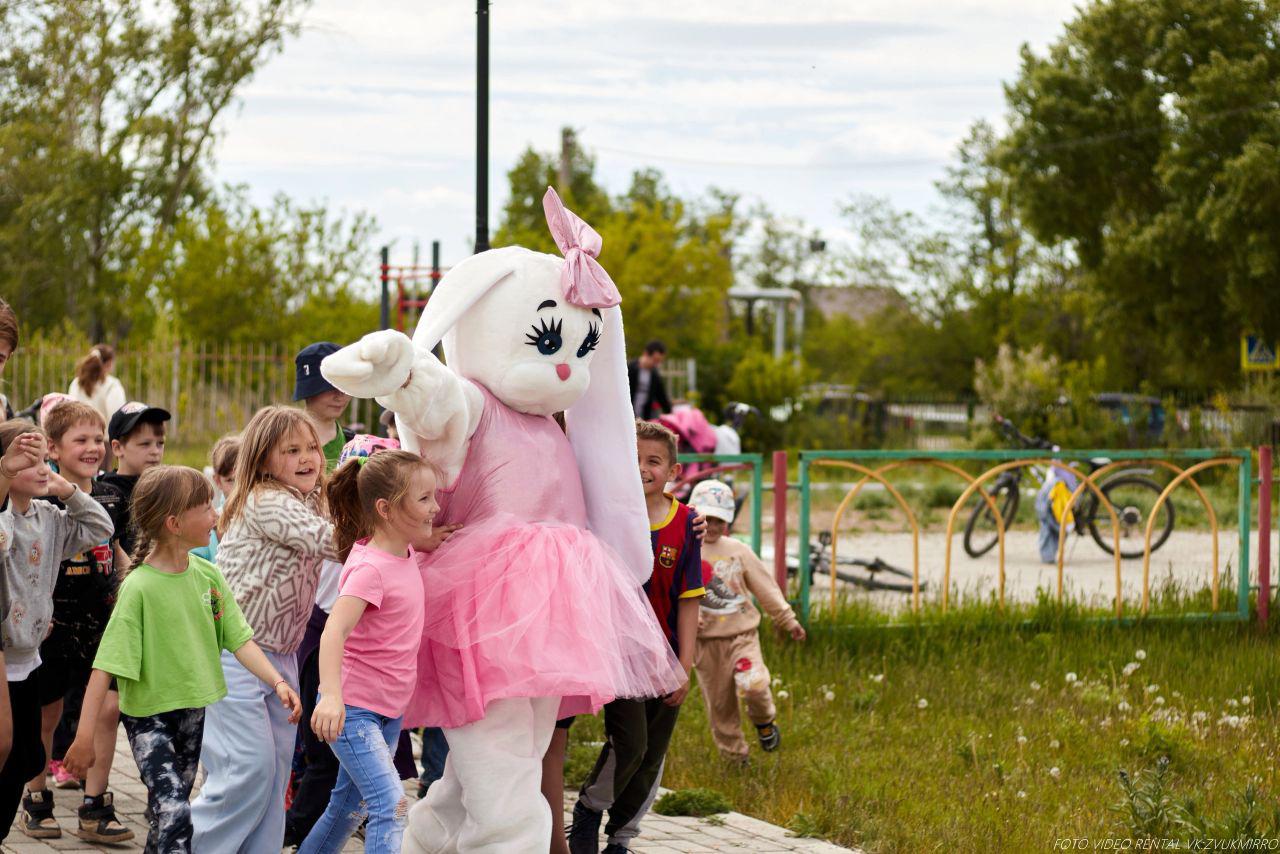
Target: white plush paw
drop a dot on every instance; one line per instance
(375, 366)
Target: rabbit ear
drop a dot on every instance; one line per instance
(602, 432)
(460, 289)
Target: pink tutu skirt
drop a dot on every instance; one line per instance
(533, 610)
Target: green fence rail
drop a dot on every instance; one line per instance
(736, 462)
(810, 459)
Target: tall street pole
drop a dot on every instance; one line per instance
(482, 125)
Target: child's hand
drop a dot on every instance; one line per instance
(23, 452)
(59, 486)
(289, 698)
(79, 758)
(676, 697)
(327, 720)
(699, 524)
(797, 632)
(438, 536)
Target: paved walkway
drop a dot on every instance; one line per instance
(661, 835)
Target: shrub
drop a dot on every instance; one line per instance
(1148, 810)
(693, 802)
(578, 763)
(801, 824)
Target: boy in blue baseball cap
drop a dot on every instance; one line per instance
(324, 403)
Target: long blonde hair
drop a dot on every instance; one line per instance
(162, 491)
(268, 427)
(354, 490)
(92, 369)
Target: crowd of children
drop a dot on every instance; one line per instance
(210, 616)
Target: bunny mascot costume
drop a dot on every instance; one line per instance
(534, 609)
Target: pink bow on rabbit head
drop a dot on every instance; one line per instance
(584, 281)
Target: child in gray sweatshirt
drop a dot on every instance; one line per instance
(42, 536)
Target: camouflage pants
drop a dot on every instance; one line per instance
(167, 749)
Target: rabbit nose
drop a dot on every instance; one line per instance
(562, 371)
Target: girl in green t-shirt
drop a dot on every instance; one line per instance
(173, 617)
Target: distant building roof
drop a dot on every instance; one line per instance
(858, 302)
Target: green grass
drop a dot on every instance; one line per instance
(874, 769)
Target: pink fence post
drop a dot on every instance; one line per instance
(780, 518)
(1264, 533)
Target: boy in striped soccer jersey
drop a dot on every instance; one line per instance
(637, 732)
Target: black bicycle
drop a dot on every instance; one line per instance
(1131, 492)
(873, 574)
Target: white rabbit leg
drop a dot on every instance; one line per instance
(489, 800)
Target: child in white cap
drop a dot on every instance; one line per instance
(729, 663)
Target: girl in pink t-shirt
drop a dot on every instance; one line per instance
(382, 506)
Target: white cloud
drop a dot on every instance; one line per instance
(372, 105)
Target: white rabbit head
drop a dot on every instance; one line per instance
(523, 340)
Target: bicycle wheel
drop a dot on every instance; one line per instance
(1133, 496)
(980, 534)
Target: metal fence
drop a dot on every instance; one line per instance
(936, 425)
(211, 389)
(873, 465)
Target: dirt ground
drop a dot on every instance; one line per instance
(1088, 577)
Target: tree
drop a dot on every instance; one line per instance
(1145, 142)
(107, 115)
(234, 272)
(669, 258)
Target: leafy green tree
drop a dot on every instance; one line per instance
(1145, 142)
(235, 272)
(108, 112)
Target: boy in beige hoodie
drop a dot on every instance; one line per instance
(729, 662)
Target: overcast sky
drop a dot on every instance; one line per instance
(801, 105)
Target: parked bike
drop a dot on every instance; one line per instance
(1131, 492)
(873, 574)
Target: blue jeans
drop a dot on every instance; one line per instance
(368, 784)
(247, 751)
(434, 752)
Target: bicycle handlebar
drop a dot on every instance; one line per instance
(1007, 427)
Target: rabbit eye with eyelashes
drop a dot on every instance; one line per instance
(591, 342)
(546, 336)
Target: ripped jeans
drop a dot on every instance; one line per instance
(368, 785)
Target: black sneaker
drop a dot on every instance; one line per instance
(37, 816)
(98, 822)
(770, 737)
(584, 834)
(615, 848)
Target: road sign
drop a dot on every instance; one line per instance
(1257, 355)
